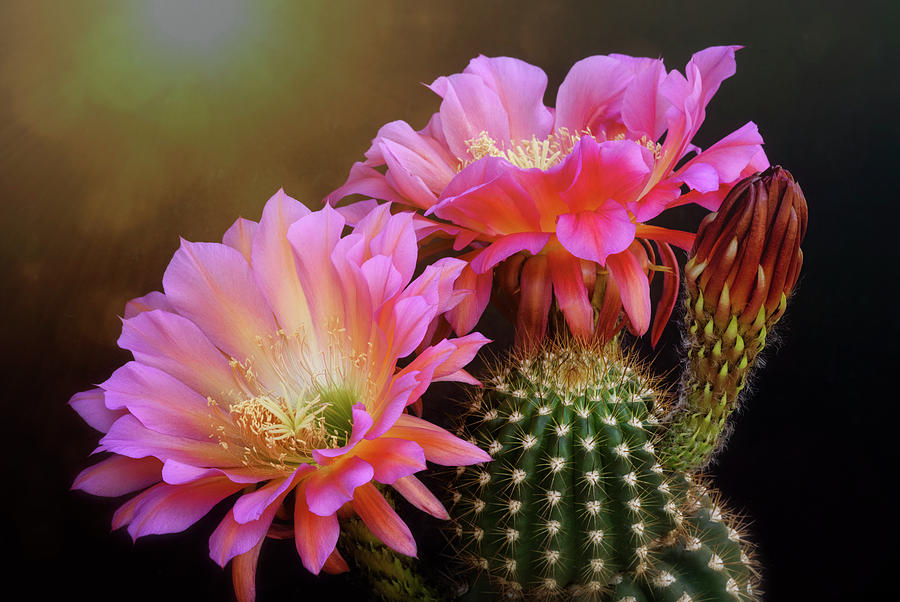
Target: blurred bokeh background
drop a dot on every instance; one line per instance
(125, 124)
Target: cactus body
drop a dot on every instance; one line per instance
(575, 502)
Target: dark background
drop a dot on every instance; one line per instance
(119, 132)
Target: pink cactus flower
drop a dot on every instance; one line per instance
(569, 189)
(269, 366)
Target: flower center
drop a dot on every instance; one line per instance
(545, 153)
(526, 154)
(289, 409)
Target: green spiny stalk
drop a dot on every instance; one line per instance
(389, 575)
(744, 265)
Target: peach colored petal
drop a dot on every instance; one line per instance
(243, 573)
(440, 446)
(315, 535)
(381, 519)
(420, 496)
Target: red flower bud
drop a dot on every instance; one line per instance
(746, 257)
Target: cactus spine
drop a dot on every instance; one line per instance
(576, 503)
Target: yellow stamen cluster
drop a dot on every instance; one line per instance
(277, 423)
(542, 154)
(654, 147)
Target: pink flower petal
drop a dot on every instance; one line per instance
(231, 538)
(613, 170)
(118, 475)
(393, 236)
(381, 519)
(534, 301)
(591, 93)
(240, 236)
(504, 204)
(365, 181)
(508, 245)
(91, 406)
(174, 508)
(330, 487)
(466, 314)
(382, 277)
(448, 356)
(439, 446)
(715, 64)
(682, 240)
(161, 402)
(571, 294)
(274, 265)
(175, 345)
(392, 458)
(402, 179)
(643, 107)
(400, 394)
(362, 422)
(212, 285)
(520, 88)
(251, 506)
(314, 238)
(315, 535)
(129, 437)
(149, 302)
(699, 176)
(633, 288)
(178, 473)
(418, 152)
(594, 235)
(436, 284)
(419, 496)
(469, 108)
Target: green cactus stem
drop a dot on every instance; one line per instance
(388, 575)
(576, 503)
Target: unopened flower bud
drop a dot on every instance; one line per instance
(746, 257)
(745, 262)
